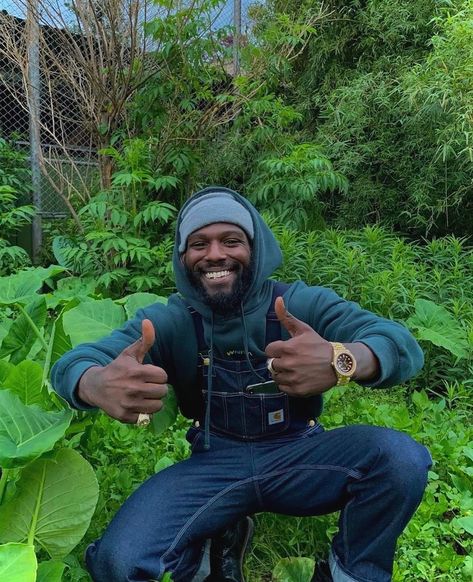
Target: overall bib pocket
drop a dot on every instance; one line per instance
(250, 416)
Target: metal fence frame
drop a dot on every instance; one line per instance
(43, 197)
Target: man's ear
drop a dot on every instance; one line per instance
(182, 257)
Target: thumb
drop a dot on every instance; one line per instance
(293, 325)
(141, 347)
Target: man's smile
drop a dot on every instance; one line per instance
(217, 274)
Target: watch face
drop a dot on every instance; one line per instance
(344, 363)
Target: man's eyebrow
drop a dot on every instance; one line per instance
(201, 235)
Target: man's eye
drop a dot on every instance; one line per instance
(197, 245)
(232, 241)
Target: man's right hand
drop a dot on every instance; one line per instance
(126, 386)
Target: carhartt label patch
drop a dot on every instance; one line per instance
(276, 416)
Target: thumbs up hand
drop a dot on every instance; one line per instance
(126, 387)
(303, 363)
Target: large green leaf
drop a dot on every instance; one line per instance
(61, 342)
(466, 523)
(50, 571)
(5, 324)
(71, 288)
(435, 324)
(92, 320)
(53, 503)
(139, 300)
(21, 336)
(163, 419)
(49, 272)
(26, 380)
(294, 570)
(61, 244)
(17, 563)
(26, 432)
(20, 288)
(5, 369)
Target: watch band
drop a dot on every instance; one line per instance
(343, 363)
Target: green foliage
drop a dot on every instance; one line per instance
(434, 540)
(124, 456)
(294, 570)
(180, 103)
(93, 320)
(124, 240)
(50, 571)
(14, 180)
(263, 150)
(435, 324)
(43, 480)
(385, 88)
(27, 431)
(441, 88)
(288, 186)
(14, 171)
(387, 275)
(52, 504)
(192, 108)
(17, 563)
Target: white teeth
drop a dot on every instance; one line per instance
(216, 274)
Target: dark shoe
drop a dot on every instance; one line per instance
(228, 551)
(322, 572)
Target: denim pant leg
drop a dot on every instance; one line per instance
(163, 526)
(375, 476)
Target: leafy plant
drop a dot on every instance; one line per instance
(40, 491)
(434, 323)
(125, 242)
(289, 186)
(384, 87)
(294, 570)
(390, 276)
(14, 181)
(43, 479)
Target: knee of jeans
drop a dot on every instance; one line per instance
(120, 562)
(405, 461)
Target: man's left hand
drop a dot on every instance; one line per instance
(303, 363)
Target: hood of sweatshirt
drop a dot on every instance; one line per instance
(243, 330)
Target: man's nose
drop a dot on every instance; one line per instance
(215, 252)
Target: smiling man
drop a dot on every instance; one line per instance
(249, 359)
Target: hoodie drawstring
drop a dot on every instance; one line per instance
(245, 344)
(209, 386)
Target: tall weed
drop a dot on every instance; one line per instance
(387, 274)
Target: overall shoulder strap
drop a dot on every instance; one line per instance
(199, 329)
(273, 327)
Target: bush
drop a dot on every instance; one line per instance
(14, 185)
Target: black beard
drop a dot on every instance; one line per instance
(223, 303)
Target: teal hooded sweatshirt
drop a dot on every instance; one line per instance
(175, 348)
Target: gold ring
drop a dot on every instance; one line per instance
(269, 365)
(143, 419)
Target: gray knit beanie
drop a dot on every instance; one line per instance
(213, 207)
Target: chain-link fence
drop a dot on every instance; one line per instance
(39, 63)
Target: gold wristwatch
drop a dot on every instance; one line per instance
(343, 362)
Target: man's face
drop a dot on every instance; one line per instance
(217, 259)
